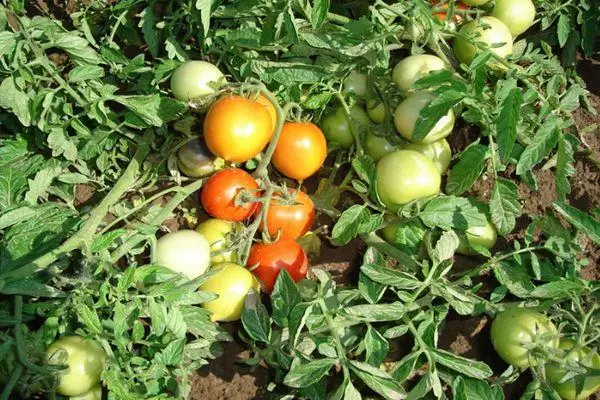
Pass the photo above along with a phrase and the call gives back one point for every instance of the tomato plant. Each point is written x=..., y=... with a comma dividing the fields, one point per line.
x=338, y=127
x=217, y=232
x=194, y=79
x=220, y=191
x=407, y=114
x=237, y=128
x=517, y=15
x=293, y=214
x=231, y=282
x=557, y=375
x=267, y=259
x=412, y=68
x=84, y=359
x=194, y=159
x=184, y=251
x=490, y=31
x=439, y=152
x=377, y=146
x=300, y=151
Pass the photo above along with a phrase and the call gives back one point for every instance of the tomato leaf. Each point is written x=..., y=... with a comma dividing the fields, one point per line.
x=504, y=205
x=449, y=212
x=542, y=143
x=388, y=276
x=475, y=389
x=434, y=111
x=378, y=380
x=564, y=164
x=284, y=298
x=376, y=347
x=470, y=166
x=255, y=318
x=472, y=368
x=303, y=375
x=506, y=124
x=579, y=220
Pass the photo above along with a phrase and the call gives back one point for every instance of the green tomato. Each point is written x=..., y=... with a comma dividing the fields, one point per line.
x=231, y=283
x=85, y=361
x=407, y=113
x=376, y=111
x=94, y=393
x=194, y=79
x=216, y=232
x=412, y=68
x=517, y=15
x=484, y=236
x=377, y=146
x=488, y=30
x=439, y=152
x=184, y=251
x=567, y=389
x=195, y=160
x=404, y=176
x=513, y=328
x=474, y=2
x=356, y=83
x=337, y=127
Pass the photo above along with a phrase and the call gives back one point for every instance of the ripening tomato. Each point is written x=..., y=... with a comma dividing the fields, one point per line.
x=555, y=372
x=378, y=146
x=194, y=79
x=237, y=128
x=85, y=361
x=517, y=326
x=356, y=83
x=412, y=68
x=267, y=259
x=407, y=114
x=184, y=251
x=517, y=15
x=337, y=127
x=439, y=152
x=456, y=17
x=404, y=176
x=220, y=191
x=488, y=30
x=300, y=151
x=231, y=283
x=194, y=159
x=217, y=232
x=293, y=214
x=270, y=108
x=484, y=236
x=376, y=111
x=94, y=393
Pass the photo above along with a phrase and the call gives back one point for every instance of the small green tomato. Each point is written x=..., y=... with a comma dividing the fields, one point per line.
x=376, y=111
x=184, y=251
x=412, y=68
x=484, y=236
x=194, y=79
x=356, y=83
x=439, y=152
x=517, y=15
x=407, y=113
x=377, y=146
x=487, y=30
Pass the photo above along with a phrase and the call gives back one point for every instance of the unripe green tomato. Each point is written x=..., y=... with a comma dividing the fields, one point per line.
x=376, y=111
x=517, y=326
x=404, y=176
x=231, y=283
x=85, y=361
x=377, y=146
x=484, y=236
x=337, y=127
x=412, y=68
x=215, y=231
x=195, y=160
x=389, y=231
x=474, y=2
x=487, y=30
x=567, y=389
x=94, y=393
x=439, y=152
x=356, y=83
x=517, y=15
x=407, y=113
x=184, y=251
x=194, y=79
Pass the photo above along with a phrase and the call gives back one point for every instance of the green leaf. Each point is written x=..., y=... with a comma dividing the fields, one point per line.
x=148, y=25
x=579, y=220
x=445, y=247
x=105, y=240
x=449, y=212
x=470, y=166
x=374, y=312
x=30, y=286
x=475, y=389
x=350, y=392
x=378, y=380
x=39, y=185
x=542, y=143
x=434, y=111
x=284, y=298
x=255, y=318
x=465, y=366
x=370, y=290
x=421, y=389
x=77, y=47
x=388, y=276
x=515, y=278
x=565, y=164
x=504, y=205
x=319, y=13
x=62, y=144
x=14, y=99
x=13, y=180
x=563, y=28
x=303, y=375
x=506, y=123
x=355, y=220
x=557, y=289
x=85, y=72
x=145, y=107
x=89, y=317
x=376, y=347
x=297, y=320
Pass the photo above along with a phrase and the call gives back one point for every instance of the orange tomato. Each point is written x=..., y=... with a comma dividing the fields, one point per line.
x=294, y=214
x=237, y=129
x=300, y=151
x=219, y=193
x=456, y=17
x=271, y=109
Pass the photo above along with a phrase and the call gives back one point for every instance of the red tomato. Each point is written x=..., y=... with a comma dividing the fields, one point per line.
x=220, y=190
x=267, y=259
x=300, y=151
x=293, y=214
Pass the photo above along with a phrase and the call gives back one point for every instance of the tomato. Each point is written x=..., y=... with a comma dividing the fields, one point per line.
x=378, y=146
x=356, y=83
x=217, y=232
x=267, y=259
x=237, y=129
x=194, y=159
x=337, y=126
x=84, y=359
x=220, y=191
x=407, y=113
x=293, y=214
x=300, y=151
x=231, y=283
x=517, y=15
x=439, y=152
x=194, y=79
x=474, y=2
x=513, y=328
x=484, y=236
x=488, y=30
x=184, y=251
x=404, y=176
x=270, y=108
x=412, y=68
x=456, y=17
x=376, y=111
x=567, y=389
x=94, y=393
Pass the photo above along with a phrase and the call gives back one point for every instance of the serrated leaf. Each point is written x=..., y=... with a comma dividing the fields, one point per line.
x=388, y=276
x=85, y=72
x=445, y=246
x=475, y=389
x=506, y=123
x=319, y=13
x=376, y=347
x=515, y=278
x=148, y=25
x=284, y=298
x=433, y=111
x=579, y=220
x=449, y=212
x=303, y=375
x=374, y=312
x=470, y=166
x=14, y=99
x=563, y=28
x=542, y=143
x=564, y=164
x=472, y=368
x=378, y=380
x=504, y=205
x=255, y=318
